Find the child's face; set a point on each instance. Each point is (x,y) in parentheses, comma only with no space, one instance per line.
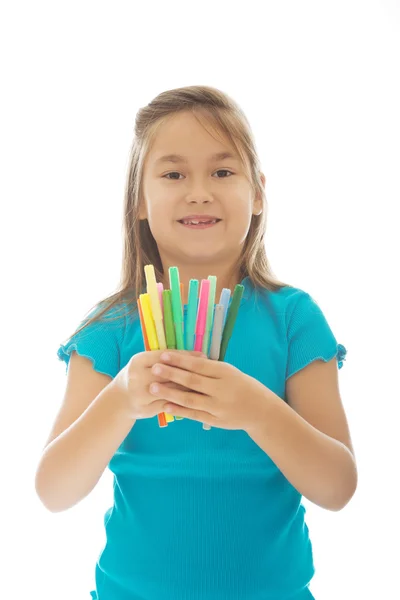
(200,186)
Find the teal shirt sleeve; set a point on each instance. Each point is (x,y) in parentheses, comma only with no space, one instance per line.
(310,336)
(100,341)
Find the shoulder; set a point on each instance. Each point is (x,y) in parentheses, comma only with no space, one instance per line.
(284,300)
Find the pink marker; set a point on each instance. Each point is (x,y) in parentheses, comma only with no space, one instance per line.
(160,291)
(202,314)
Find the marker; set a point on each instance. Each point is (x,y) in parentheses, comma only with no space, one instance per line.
(177,312)
(148,321)
(182,290)
(190,327)
(168,321)
(202,314)
(210,314)
(217,332)
(177,309)
(202,318)
(231,319)
(169,331)
(160,288)
(162,421)
(142,325)
(152,290)
(151,334)
(224,299)
(216,339)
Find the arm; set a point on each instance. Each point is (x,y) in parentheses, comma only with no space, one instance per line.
(73,462)
(308,438)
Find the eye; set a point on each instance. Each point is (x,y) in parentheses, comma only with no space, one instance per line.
(224,171)
(173,173)
(176,173)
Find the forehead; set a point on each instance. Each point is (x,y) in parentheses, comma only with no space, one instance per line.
(182,138)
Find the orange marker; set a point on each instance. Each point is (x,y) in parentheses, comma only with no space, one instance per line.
(162,421)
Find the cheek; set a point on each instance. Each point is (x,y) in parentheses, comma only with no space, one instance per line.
(241,219)
(161,220)
(160,208)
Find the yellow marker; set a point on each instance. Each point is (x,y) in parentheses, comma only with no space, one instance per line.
(148,321)
(151,332)
(152,291)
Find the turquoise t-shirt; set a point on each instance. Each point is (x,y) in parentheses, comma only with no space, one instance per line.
(207,515)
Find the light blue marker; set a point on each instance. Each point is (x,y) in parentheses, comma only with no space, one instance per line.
(224,300)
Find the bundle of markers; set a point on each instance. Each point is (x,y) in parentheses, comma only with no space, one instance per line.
(207,327)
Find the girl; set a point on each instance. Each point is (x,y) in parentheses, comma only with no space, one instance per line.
(202,515)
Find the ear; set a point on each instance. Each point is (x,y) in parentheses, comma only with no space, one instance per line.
(258,205)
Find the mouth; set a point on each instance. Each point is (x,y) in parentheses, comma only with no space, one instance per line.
(197,224)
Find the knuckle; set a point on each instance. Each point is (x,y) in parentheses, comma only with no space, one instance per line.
(132,373)
(187,399)
(230,369)
(219,386)
(192,380)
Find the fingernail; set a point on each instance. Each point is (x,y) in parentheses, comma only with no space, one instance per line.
(165,356)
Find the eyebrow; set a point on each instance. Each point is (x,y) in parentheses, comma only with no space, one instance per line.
(176,158)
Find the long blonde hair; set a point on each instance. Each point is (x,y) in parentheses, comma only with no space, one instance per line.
(139,246)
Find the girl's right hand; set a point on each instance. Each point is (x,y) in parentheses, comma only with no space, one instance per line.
(133,382)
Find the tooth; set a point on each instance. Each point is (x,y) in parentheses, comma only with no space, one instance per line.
(198,222)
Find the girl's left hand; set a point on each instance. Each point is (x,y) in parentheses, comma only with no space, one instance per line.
(222,396)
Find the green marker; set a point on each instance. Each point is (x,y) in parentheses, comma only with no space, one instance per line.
(231,319)
(177,311)
(210,314)
(168,321)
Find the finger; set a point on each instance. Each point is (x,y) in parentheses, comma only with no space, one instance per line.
(202,366)
(194,353)
(188,413)
(174,386)
(188,379)
(187,399)
(158,379)
(149,357)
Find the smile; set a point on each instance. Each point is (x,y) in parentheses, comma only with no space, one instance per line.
(199,225)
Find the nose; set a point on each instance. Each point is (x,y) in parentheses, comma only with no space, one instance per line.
(199,200)
(198,193)
(199,197)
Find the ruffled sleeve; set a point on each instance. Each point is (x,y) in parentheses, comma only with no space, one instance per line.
(310,337)
(100,341)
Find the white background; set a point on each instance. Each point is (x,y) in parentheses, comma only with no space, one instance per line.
(319,82)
